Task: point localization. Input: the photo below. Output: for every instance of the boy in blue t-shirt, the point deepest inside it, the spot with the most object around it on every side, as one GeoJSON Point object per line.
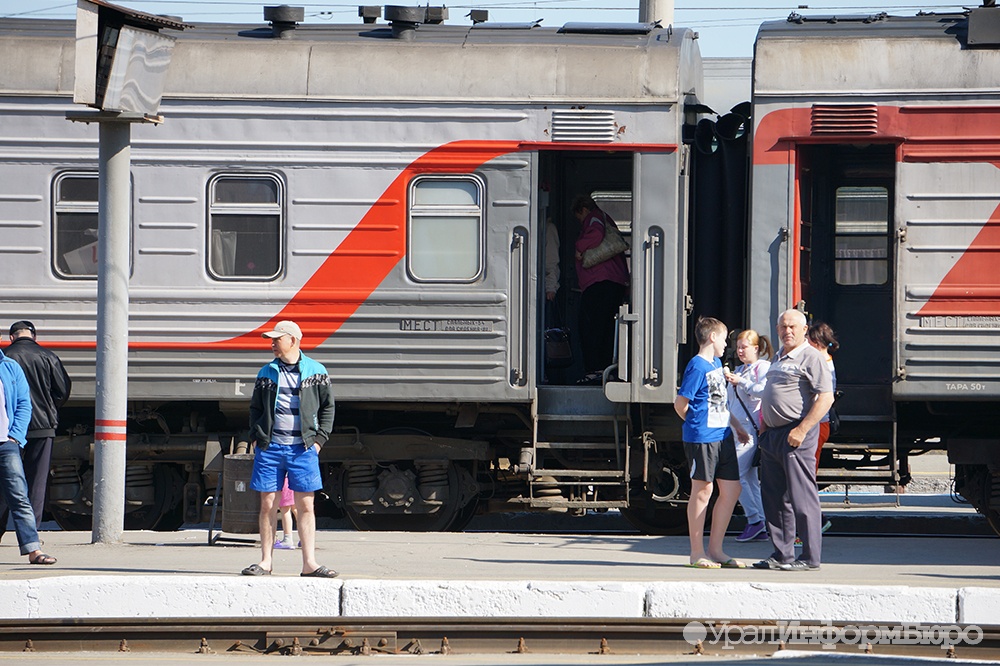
{"type": "Point", "coordinates": [708, 446]}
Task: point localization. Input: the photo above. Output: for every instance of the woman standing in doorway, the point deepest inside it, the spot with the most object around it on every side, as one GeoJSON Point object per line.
{"type": "Point", "coordinates": [604, 288]}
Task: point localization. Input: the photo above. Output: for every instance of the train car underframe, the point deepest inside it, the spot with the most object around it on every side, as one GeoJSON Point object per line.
{"type": "Point", "coordinates": [433, 468]}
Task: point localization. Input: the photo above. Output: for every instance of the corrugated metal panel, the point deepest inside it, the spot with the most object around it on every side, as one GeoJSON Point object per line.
{"type": "Point", "coordinates": [850, 119]}
{"type": "Point", "coordinates": [583, 125]}
{"type": "Point", "coordinates": [948, 319]}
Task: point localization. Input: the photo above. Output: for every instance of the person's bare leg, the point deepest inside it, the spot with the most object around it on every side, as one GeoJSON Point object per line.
{"type": "Point", "coordinates": [697, 509]}
{"type": "Point", "coordinates": [267, 521]}
{"type": "Point", "coordinates": [306, 516]}
{"type": "Point", "coordinates": [286, 525]}
{"type": "Point", "coordinates": [729, 493]}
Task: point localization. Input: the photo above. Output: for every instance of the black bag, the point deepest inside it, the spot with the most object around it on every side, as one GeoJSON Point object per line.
{"type": "Point", "coordinates": [834, 416]}
{"type": "Point", "coordinates": [558, 350]}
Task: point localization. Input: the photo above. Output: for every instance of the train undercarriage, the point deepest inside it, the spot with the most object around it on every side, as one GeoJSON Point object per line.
{"type": "Point", "coordinates": [422, 468]}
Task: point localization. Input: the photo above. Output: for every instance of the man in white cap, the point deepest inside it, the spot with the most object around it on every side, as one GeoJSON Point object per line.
{"type": "Point", "coordinates": [291, 417]}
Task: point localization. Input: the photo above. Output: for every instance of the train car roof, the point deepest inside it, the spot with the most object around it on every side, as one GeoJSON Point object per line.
{"type": "Point", "coordinates": [876, 55]}
{"type": "Point", "coordinates": [862, 26]}
{"type": "Point", "coordinates": [633, 63]}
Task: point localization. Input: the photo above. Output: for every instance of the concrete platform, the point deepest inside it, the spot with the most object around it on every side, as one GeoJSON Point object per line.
{"type": "Point", "coordinates": [928, 579]}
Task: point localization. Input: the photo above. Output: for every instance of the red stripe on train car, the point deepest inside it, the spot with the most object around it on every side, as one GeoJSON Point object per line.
{"type": "Point", "coordinates": [924, 134]}
{"type": "Point", "coordinates": [347, 277]}
{"type": "Point", "coordinates": [972, 286]}
{"type": "Point", "coordinates": [364, 259]}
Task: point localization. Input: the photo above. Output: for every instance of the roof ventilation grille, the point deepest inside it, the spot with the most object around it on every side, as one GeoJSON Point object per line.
{"type": "Point", "coordinates": [583, 125]}
{"type": "Point", "coordinates": [845, 119]}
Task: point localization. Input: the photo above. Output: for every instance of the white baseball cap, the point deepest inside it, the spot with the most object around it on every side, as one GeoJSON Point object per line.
{"type": "Point", "coordinates": [284, 328]}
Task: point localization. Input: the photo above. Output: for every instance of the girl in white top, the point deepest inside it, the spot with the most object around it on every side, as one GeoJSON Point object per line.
{"type": "Point", "coordinates": [745, 390]}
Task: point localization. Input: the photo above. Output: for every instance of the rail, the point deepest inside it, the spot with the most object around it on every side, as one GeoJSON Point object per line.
{"type": "Point", "coordinates": [368, 636]}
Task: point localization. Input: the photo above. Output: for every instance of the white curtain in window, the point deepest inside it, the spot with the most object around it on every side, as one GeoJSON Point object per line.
{"type": "Point", "coordinates": [224, 252]}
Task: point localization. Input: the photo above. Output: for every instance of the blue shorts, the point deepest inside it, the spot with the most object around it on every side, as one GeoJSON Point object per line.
{"type": "Point", "coordinates": [300, 464]}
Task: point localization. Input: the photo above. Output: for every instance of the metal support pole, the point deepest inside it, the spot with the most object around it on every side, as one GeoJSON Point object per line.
{"type": "Point", "coordinates": [656, 10]}
{"type": "Point", "coordinates": [114, 228]}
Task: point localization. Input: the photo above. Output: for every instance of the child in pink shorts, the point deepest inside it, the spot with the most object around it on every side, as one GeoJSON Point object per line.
{"type": "Point", "coordinates": [287, 502]}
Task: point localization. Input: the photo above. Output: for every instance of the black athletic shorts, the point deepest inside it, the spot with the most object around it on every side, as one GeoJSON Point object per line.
{"type": "Point", "coordinates": [713, 460]}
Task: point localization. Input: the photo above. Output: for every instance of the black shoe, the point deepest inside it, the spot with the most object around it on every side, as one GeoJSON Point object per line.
{"type": "Point", "coordinates": [770, 563]}
{"type": "Point", "coordinates": [799, 565]}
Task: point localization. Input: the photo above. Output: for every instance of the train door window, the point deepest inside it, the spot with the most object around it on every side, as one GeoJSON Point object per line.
{"type": "Point", "coordinates": [861, 228]}
{"type": "Point", "coordinates": [244, 230]}
{"type": "Point", "coordinates": [74, 237]}
{"type": "Point", "coordinates": [619, 206]}
{"type": "Point", "coordinates": [445, 235]}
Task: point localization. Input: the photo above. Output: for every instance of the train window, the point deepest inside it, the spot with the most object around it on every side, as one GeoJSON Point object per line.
{"type": "Point", "coordinates": [244, 229]}
{"type": "Point", "coordinates": [862, 242]}
{"type": "Point", "coordinates": [445, 231]}
{"type": "Point", "coordinates": [618, 205]}
{"type": "Point", "coordinates": [74, 252]}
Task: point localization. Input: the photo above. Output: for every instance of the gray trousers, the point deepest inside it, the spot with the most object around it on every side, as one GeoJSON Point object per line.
{"type": "Point", "coordinates": [789, 494]}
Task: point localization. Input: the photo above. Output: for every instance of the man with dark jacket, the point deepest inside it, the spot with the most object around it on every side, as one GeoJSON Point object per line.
{"type": "Point", "coordinates": [15, 415]}
{"type": "Point", "coordinates": [49, 386]}
{"type": "Point", "coordinates": [291, 417]}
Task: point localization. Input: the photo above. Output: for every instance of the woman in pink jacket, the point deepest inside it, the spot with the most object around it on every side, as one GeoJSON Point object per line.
{"type": "Point", "coordinates": [604, 287]}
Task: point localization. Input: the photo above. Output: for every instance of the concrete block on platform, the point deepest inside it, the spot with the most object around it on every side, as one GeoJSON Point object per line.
{"type": "Point", "coordinates": [420, 598]}
{"type": "Point", "coordinates": [17, 598]}
{"type": "Point", "coordinates": [795, 601]}
{"type": "Point", "coordinates": [182, 596]}
{"type": "Point", "coordinates": [979, 605]}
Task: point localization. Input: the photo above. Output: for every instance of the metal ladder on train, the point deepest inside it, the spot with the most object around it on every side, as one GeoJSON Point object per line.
{"type": "Point", "coordinates": [590, 435]}
{"type": "Point", "coordinates": [884, 472]}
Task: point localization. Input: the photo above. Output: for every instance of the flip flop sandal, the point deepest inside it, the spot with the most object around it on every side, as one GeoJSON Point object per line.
{"type": "Point", "coordinates": [42, 558]}
{"type": "Point", "coordinates": [255, 570]}
{"type": "Point", "coordinates": [322, 572]}
{"type": "Point", "coordinates": [704, 563]}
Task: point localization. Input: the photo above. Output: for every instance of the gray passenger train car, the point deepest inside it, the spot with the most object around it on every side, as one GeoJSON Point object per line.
{"type": "Point", "coordinates": [875, 207]}
{"type": "Point", "coordinates": [387, 187]}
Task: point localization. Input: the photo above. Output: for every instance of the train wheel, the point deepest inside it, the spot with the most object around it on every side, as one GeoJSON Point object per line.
{"type": "Point", "coordinates": [977, 484]}
{"type": "Point", "coordinates": [166, 513]}
{"type": "Point", "coordinates": [396, 483]}
{"type": "Point", "coordinates": [464, 516]}
{"type": "Point", "coordinates": [993, 518]}
{"type": "Point", "coordinates": [71, 522]}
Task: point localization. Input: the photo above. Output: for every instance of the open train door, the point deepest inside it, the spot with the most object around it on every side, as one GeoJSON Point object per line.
{"type": "Point", "coordinates": [643, 192]}
{"type": "Point", "coordinates": [846, 259]}
{"type": "Point", "coordinates": [653, 322]}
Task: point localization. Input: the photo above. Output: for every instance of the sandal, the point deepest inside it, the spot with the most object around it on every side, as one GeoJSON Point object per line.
{"type": "Point", "coordinates": [322, 572]}
{"type": "Point", "coordinates": [704, 563]}
{"type": "Point", "coordinates": [42, 558]}
{"type": "Point", "coordinates": [255, 570]}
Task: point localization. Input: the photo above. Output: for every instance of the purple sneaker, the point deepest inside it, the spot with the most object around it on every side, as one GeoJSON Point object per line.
{"type": "Point", "coordinates": [283, 545]}
{"type": "Point", "coordinates": [763, 536]}
{"type": "Point", "coordinates": [752, 531]}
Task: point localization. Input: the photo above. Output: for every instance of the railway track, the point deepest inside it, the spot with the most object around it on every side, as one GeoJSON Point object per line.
{"type": "Point", "coordinates": [472, 636]}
